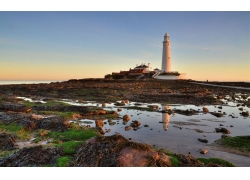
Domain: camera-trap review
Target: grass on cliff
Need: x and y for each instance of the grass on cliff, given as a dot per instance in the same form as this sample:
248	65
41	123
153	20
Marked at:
241	143
69	147
73	135
218	161
14	129
174	159
63	161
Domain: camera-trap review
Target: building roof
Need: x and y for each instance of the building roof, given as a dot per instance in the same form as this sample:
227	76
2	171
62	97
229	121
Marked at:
142	66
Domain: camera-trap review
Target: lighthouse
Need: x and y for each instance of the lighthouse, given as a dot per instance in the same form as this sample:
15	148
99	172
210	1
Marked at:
166	55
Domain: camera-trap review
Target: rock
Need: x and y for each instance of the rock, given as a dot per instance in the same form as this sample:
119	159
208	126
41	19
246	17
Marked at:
205	109
28	110
36	156
135	128
146	125
223	130
203	140
111	112
217	114
130	157
203	151
44	133
246	114
225	136
119	109
99	123
126	117
100	130
7	141
125	101
135	123
241	109
219	107
219	97
120	103
103	104
112	123
127	128
153	106
102	112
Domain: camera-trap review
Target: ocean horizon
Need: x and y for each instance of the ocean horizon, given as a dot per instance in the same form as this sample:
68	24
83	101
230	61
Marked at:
9	82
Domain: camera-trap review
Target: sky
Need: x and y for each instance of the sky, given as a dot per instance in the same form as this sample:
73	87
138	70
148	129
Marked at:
62	45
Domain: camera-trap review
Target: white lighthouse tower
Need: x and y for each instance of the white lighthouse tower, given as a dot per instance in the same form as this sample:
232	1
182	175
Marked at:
166	55
166	66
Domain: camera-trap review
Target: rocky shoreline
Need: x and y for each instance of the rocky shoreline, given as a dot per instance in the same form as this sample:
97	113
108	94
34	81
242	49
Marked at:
102	151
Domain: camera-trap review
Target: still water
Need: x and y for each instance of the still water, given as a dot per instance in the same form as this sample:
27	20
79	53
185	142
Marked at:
164	130
178	133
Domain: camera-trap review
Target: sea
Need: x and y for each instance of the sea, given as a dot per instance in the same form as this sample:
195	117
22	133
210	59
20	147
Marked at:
8	82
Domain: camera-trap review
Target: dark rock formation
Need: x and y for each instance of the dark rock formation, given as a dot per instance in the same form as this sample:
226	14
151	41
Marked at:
7	141
203	140
36	156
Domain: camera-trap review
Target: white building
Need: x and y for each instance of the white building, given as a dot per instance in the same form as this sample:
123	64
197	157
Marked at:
166	54
166	67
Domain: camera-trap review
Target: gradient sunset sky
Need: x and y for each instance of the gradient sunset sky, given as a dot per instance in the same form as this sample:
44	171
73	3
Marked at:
66	45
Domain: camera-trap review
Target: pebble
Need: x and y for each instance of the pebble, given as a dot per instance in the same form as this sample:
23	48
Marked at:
203	151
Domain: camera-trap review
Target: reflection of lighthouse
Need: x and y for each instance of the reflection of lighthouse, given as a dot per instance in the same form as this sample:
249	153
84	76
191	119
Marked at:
165	117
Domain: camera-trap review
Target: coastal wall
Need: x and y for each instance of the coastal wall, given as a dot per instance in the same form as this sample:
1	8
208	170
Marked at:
172	77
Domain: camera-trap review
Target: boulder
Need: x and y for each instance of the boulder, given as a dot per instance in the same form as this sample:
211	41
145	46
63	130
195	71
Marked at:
223	130
7	141
102	112
127	128
126	117
203	151
246	114
135	123
153	106
203	140
125	101
99	123
217	114
100	130
205	109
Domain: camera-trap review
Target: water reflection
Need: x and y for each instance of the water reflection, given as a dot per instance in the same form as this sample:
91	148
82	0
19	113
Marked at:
165	117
